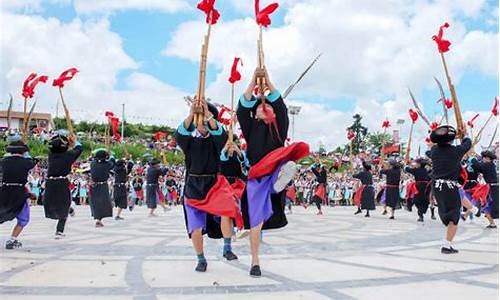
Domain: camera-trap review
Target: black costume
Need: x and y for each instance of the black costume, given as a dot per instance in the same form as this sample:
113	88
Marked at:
153	174
261	140
57	196
120	188
446	165
368	192
393	177
14	171
100	200
320	190
488	169
423	184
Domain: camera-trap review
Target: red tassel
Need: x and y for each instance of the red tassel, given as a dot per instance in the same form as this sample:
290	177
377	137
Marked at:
109	114
262	16
114	127
65	76
223	120
350	134
470	123
207	6
448	103
235	75
413	115
494	110
443	45
434	125
386	124
30	84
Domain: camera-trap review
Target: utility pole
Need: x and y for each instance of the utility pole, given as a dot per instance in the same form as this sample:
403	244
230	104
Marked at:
293	110
123	120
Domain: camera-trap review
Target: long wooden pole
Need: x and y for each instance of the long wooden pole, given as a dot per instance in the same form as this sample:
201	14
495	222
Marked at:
454	99
408	147
23	129
69	125
493	137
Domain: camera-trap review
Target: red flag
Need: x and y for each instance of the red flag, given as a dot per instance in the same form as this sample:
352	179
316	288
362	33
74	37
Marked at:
386	124
207	6
494	110
109	114
443	45
65	76
350	134
413	115
470	123
262	16
391	149
235	75
448	103
157	136
434	125
30	83
115	122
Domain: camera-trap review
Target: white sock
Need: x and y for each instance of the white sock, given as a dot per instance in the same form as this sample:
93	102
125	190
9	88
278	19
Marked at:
13	238
446	244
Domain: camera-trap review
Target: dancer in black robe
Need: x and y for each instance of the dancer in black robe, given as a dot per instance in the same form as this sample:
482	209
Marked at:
393	177
365	195
446	166
264	123
100	200
57	196
121	170
319	196
490	175
14	169
423	185
207	194
153	174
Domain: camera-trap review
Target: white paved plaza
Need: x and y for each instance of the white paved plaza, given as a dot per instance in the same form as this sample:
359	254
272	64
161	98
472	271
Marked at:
334	256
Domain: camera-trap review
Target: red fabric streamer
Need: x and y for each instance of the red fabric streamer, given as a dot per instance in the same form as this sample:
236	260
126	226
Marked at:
109	114
220	201
115	122
262	16
275	158
434	125
494	110
224	120
442	44
235	74
411	190
386	124
157	136
448	103
30	84
480	192
350	134
65	76
464	175
238	188
470	123
413	115
207	6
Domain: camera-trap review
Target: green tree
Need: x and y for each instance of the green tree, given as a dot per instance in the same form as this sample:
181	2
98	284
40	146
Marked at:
377	140
360	131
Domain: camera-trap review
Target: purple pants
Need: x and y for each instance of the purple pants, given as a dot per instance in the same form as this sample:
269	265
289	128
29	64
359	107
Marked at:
259	191
23	218
196	219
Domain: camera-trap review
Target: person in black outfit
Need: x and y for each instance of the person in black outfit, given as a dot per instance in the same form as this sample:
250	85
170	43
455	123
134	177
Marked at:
488	169
153	174
393	177
57	196
367	190
423	184
320	191
100	201
446	165
138	195
120	188
14	169
202	146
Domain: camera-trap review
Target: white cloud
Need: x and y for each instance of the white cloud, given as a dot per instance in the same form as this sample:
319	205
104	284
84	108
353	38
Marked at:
47	46
106	6
373	51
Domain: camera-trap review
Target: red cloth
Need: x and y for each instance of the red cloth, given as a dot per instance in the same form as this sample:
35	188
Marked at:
159	135
140	194
235	75
207	6
291	193
30	83
494	110
358	194
480	192
411	190
470	123
413	115
273	159
221	200
448	103
115	122
464	175
65	76
224	120
238	187
434	125
386	124
262	15
321	191
443	45
161	195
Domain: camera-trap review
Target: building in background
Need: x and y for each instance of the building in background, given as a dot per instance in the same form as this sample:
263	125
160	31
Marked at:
42	121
